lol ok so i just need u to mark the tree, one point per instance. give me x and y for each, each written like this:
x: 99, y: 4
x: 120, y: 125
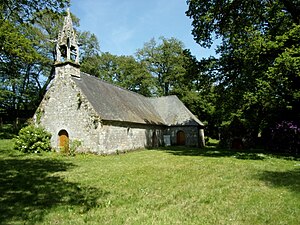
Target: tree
x: 14, y: 15
x: 178, y: 72
x: 27, y: 10
x: 258, y: 68
x: 165, y: 61
x: 17, y: 50
x: 133, y: 75
x: 27, y: 53
x: 89, y: 45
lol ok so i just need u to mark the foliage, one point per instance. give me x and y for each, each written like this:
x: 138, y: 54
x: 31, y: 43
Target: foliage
x: 283, y: 137
x: 24, y: 11
x: 7, y: 131
x: 166, y: 186
x: 74, y: 145
x: 27, y: 51
x: 33, y: 139
x: 139, y: 74
x: 235, y: 135
x: 165, y: 61
x: 18, y: 14
x: 257, y: 69
x: 14, y: 43
x: 89, y: 44
x: 197, y: 91
x: 21, y: 58
x: 177, y: 72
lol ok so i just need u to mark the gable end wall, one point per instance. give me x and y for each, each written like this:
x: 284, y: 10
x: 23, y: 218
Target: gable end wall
x: 64, y: 107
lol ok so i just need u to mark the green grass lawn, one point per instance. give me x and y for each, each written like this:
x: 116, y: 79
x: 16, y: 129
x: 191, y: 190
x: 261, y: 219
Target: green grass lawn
x: 164, y: 186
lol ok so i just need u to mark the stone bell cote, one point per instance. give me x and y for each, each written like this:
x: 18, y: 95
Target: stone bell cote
x: 67, y: 49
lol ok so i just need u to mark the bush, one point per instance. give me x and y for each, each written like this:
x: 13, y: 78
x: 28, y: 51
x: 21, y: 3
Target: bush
x: 283, y: 137
x: 233, y: 135
x: 33, y: 139
x: 74, y: 145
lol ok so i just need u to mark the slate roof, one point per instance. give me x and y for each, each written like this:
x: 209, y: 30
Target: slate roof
x: 174, y: 112
x: 113, y: 103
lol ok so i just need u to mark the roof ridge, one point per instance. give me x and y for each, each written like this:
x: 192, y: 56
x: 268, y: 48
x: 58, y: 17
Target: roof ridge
x: 165, y: 96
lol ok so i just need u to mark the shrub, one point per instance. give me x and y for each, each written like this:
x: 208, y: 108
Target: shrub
x: 74, y: 145
x: 33, y: 139
x: 233, y: 135
x: 283, y: 137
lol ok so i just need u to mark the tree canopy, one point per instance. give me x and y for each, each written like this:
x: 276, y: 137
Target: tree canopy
x: 257, y: 70
x: 27, y: 31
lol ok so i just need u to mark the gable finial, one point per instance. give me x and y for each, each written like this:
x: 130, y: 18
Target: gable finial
x: 67, y: 49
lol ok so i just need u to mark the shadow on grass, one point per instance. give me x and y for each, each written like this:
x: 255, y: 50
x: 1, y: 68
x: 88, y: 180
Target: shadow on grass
x: 29, y: 189
x: 255, y: 154
x: 287, y: 179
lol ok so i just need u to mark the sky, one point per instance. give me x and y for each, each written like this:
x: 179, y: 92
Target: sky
x: 123, y: 26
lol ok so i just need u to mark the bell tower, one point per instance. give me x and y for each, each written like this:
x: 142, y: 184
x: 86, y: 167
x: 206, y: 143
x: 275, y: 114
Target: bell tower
x: 67, y: 50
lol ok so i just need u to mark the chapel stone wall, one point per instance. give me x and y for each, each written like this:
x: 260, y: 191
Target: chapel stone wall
x: 124, y: 136
x: 65, y: 108
x: 192, y: 135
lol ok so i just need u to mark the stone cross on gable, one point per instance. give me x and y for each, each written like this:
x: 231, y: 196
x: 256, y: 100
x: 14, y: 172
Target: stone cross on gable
x: 67, y: 49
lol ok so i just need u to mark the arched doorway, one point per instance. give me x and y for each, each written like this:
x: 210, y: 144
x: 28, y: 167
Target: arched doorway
x: 63, y: 141
x: 180, y: 138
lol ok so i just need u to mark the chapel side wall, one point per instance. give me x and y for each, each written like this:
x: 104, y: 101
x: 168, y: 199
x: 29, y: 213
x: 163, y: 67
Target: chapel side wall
x: 192, y: 135
x: 125, y: 136
x: 65, y: 108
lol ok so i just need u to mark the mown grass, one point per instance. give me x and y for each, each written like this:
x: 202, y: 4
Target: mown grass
x: 163, y: 186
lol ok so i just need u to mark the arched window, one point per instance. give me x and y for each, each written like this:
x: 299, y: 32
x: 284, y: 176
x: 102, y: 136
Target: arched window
x: 180, y: 138
x: 63, y: 141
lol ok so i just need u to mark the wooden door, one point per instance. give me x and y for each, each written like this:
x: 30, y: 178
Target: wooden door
x: 64, y: 141
x: 180, y: 138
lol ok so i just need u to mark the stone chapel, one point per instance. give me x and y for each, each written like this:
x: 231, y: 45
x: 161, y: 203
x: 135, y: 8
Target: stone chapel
x: 105, y: 118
